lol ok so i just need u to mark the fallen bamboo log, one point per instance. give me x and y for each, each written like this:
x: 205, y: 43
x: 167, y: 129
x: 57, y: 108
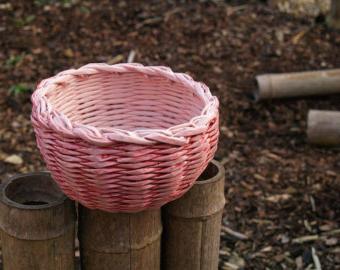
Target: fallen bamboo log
x: 323, y: 127
x: 37, y: 224
x: 192, y: 224
x: 119, y: 241
x: 306, y: 83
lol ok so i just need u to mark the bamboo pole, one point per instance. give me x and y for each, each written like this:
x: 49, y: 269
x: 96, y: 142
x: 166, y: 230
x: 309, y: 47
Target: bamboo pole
x: 306, y: 83
x: 119, y: 241
x: 37, y: 224
x: 323, y: 127
x: 192, y: 224
x: 333, y: 19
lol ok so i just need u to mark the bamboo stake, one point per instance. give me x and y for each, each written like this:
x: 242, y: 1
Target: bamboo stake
x: 333, y: 19
x: 306, y: 83
x: 37, y: 224
x: 118, y: 241
x: 323, y: 127
x: 192, y: 224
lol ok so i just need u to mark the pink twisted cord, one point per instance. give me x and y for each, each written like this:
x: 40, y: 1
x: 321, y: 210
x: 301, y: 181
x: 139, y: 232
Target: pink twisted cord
x: 175, y: 135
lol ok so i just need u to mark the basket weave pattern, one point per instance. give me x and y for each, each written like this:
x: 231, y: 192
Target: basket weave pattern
x: 126, y: 137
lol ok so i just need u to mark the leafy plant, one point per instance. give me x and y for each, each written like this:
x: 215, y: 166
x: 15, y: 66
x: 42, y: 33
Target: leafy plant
x: 84, y: 10
x: 14, y: 60
x: 19, y: 89
x: 20, y: 22
x: 49, y: 2
x: 43, y: 2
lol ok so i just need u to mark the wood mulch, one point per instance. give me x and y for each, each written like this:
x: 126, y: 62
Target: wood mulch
x: 283, y: 204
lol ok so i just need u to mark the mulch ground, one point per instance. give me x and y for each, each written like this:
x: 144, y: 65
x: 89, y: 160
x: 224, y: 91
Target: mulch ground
x: 282, y: 194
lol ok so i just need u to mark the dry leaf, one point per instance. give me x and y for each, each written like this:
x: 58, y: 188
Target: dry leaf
x: 68, y: 53
x: 279, y: 197
x: 118, y: 58
x: 14, y: 159
x: 331, y: 241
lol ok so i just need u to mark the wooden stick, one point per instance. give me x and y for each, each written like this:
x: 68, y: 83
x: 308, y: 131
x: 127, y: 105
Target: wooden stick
x: 37, y: 224
x: 192, y: 224
x: 323, y: 127
x: 297, y: 84
x: 118, y: 241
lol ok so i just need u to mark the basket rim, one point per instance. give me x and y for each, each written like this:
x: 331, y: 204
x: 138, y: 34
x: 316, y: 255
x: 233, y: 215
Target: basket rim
x: 44, y: 114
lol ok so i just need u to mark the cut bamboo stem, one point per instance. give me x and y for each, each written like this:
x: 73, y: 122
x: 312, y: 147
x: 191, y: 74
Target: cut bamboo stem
x: 192, y: 224
x: 119, y: 241
x: 333, y: 19
x: 323, y: 127
x: 306, y: 83
x: 37, y: 224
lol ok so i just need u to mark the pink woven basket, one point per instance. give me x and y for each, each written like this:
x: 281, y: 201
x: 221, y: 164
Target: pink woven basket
x: 126, y: 137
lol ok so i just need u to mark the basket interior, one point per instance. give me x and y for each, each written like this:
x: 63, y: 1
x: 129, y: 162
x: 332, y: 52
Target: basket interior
x: 129, y: 101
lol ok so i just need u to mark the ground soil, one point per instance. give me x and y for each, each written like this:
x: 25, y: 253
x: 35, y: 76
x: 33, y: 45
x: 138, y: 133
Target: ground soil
x: 278, y: 188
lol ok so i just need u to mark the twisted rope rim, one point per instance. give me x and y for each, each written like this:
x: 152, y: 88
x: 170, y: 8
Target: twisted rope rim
x: 44, y: 112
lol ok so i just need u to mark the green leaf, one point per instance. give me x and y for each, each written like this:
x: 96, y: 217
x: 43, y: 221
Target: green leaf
x: 19, y: 89
x: 13, y: 60
x: 43, y: 2
x: 29, y: 19
x: 84, y: 10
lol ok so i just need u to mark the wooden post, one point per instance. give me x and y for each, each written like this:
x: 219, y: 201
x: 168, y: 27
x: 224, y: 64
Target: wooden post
x: 119, y: 241
x: 37, y: 224
x: 297, y: 84
x: 333, y: 19
x: 323, y: 127
x: 192, y: 224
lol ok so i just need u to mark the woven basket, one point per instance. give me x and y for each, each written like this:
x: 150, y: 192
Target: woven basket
x: 126, y: 137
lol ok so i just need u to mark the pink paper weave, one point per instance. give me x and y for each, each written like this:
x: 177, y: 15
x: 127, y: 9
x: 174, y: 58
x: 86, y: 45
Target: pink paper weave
x: 126, y: 137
